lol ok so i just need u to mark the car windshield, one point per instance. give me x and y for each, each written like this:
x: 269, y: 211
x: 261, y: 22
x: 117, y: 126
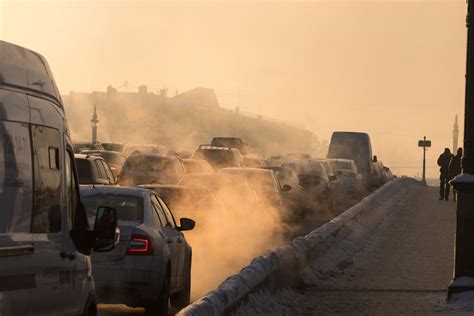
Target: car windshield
x: 341, y: 164
x: 146, y: 163
x: 129, y: 208
x: 83, y: 170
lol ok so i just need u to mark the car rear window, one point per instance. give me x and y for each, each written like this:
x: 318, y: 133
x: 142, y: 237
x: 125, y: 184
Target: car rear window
x: 129, y: 208
x: 219, y: 157
x: 341, y: 165
x: 83, y: 170
x: 141, y: 163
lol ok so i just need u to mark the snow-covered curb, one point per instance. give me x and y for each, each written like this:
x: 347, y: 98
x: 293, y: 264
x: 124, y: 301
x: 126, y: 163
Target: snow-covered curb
x: 326, y: 246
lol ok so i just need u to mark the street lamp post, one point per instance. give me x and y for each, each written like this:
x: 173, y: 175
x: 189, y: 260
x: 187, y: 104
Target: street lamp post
x: 464, y: 183
x: 94, y: 122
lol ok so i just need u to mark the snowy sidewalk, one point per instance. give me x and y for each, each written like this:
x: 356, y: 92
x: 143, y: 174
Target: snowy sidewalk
x: 404, y: 269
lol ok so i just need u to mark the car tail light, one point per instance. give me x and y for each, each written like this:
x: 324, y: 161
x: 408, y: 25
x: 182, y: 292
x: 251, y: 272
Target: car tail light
x: 140, y: 245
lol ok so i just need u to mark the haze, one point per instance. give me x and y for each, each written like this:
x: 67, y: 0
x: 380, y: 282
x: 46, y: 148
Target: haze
x: 392, y: 68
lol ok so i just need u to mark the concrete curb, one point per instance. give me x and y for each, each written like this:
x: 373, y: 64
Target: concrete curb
x: 284, y: 266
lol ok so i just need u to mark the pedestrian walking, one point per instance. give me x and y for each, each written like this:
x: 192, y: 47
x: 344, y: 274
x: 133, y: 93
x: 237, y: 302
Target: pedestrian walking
x: 455, y: 169
x: 443, y: 162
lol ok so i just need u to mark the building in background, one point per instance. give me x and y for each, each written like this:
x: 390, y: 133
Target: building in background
x: 180, y: 122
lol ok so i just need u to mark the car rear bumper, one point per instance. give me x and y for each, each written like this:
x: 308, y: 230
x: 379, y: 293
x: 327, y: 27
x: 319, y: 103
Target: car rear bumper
x: 130, y: 283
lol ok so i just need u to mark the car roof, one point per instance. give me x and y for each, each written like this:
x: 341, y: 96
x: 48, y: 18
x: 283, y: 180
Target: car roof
x: 151, y: 155
x: 90, y: 190
x: 248, y: 170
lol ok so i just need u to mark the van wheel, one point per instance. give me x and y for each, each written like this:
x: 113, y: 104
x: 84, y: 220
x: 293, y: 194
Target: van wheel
x: 183, y: 297
x: 160, y: 305
x: 90, y: 309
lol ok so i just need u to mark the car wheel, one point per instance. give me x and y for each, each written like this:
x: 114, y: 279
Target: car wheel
x: 160, y: 305
x: 183, y: 297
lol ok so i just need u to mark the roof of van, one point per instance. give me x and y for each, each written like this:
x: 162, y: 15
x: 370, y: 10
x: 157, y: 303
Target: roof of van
x: 26, y: 70
x: 351, y: 133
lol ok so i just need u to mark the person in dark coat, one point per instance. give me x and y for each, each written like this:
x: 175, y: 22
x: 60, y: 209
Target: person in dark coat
x: 443, y: 162
x: 455, y: 168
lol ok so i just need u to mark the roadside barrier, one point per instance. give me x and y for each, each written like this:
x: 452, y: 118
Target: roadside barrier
x: 324, y: 248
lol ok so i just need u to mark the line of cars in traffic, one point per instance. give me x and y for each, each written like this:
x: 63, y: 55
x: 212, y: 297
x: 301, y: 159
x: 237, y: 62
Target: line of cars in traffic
x: 155, y: 185
x: 63, y: 201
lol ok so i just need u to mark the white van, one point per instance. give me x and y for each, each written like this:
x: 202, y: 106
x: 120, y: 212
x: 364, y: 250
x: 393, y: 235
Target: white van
x: 45, y: 241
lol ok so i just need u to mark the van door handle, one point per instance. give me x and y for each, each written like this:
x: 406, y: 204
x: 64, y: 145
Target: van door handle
x: 68, y: 255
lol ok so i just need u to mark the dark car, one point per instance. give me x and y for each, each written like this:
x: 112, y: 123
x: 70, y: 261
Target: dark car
x: 231, y: 142
x: 196, y: 166
x: 151, y: 168
x: 114, y: 159
x: 151, y: 265
x: 219, y: 157
x: 93, y: 170
x: 81, y: 146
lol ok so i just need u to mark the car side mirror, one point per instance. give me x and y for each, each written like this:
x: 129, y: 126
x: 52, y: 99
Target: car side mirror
x: 339, y: 172
x: 375, y: 159
x: 286, y: 188
x: 105, y: 229
x: 186, y: 224
x: 333, y: 178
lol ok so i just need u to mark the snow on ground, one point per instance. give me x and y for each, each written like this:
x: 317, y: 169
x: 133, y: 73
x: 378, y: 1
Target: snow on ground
x: 403, y: 268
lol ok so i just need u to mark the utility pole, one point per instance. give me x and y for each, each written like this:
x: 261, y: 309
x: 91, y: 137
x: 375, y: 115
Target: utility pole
x: 94, y: 122
x: 424, y: 143
x: 463, y: 183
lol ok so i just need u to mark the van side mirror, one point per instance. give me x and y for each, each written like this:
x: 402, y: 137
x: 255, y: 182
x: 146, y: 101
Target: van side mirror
x: 186, y: 224
x: 286, y: 188
x: 375, y: 159
x: 105, y: 229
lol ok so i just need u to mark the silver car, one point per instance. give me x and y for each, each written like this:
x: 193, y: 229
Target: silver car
x: 152, y: 262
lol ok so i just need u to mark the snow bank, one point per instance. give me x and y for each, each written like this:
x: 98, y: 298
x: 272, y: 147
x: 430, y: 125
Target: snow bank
x: 321, y: 250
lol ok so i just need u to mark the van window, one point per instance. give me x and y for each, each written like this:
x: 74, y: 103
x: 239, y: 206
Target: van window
x: 16, y: 178
x: 46, y: 217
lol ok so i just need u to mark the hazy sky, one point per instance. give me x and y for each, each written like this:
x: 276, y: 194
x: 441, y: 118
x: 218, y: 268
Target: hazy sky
x: 392, y: 68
